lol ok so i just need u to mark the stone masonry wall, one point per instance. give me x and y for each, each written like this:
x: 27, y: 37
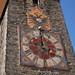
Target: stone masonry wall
x: 17, y: 17
x: 3, y: 32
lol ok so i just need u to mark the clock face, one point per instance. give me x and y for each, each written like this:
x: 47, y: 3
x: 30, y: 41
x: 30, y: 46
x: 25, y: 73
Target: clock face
x: 36, y: 18
x: 42, y: 49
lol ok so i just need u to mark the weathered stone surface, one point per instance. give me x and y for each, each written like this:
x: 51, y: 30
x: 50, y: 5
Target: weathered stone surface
x: 17, y: 17
x: 3, y: 32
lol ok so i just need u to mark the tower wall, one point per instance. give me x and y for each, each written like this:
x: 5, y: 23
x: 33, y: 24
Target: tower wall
x: 3, y: 33
x: 17, y: 17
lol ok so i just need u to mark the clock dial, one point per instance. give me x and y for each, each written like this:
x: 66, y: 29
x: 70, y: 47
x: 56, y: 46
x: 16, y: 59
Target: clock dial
x: 42, y: 48
x: 36, y: 18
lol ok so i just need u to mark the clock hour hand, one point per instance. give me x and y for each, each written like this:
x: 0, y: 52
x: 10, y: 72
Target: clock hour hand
x: 42, y: 43
x: 40, y: 29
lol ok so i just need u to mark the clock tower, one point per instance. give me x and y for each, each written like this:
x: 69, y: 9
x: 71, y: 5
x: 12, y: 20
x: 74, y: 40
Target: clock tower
x: 35, y: 40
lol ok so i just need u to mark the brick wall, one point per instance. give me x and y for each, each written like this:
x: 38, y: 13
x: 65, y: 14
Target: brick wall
x: 17, y: 16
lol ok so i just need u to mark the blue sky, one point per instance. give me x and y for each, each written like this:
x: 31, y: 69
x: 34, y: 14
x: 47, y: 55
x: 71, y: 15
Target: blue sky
x: 68, y: 8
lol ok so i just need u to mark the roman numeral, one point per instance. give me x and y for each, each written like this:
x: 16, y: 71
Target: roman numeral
x: 28, y: 52
x: 55, y: 42
x: 25, y: 44
x: 35, y: 59
x: 49, y: 37
x: 58, y: 56
x: 28, y: 37
x: 54, y: 62
x: 52, y: 39
x: 45, y: 62
x: 59, y: 49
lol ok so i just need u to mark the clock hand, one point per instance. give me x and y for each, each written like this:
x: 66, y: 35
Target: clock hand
x: 42, y: 43
x: 40, y: 29
x: 49, y: 50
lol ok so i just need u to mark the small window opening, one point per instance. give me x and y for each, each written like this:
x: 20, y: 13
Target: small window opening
x: 35, y: 1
